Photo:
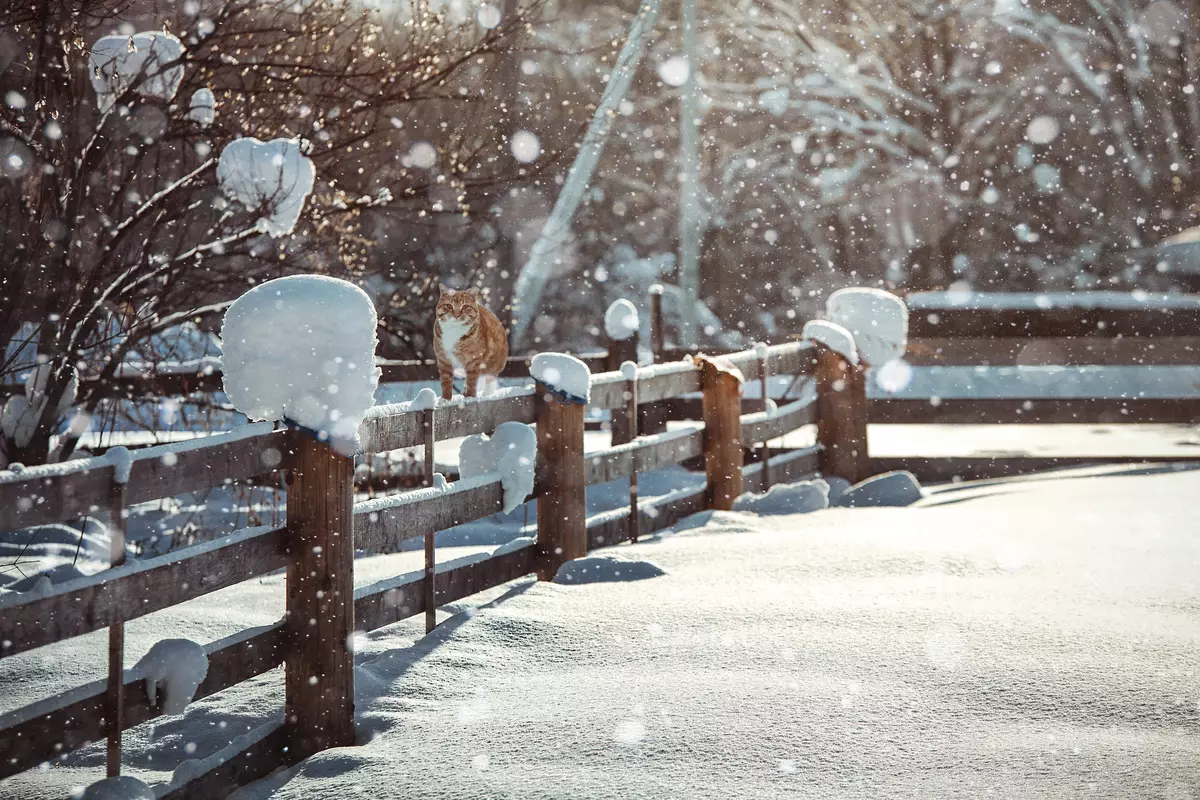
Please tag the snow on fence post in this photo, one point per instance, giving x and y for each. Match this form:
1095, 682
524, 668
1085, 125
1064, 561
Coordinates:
621, 326
841, 415
114, 699
722, 387
319, 672
563, 387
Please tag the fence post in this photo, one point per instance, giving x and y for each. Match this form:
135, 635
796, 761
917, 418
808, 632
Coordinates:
841, 416
562, 504
620, 351
722, 433
114, 699
319, 675
428, 432
764, 366
652, 418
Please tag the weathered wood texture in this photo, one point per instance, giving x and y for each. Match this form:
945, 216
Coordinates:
384, 529
786, 467
612, 528
391, 601
722, 433
1059, 350
654, 384
1034, 323
60, 725
658, 334
841, 417
257, 760
319, 679
114, 701
994, 410
37, 501
763, 426
426, 370
642, 456
382, 433
931, 470
138, 588
562, 507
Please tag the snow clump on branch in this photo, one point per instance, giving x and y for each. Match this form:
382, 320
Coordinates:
271, 178
148, 63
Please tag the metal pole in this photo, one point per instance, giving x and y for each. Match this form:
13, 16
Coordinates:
689, 169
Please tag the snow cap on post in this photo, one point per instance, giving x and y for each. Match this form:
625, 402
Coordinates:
877, 320
833, 336
621, 320
272, 178
302, 349
511, 452
566, 377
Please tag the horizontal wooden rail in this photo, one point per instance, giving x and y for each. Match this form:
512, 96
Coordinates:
397, 426
657, 382
402, 597
52, 728
991, 410
54, 492
612, 527
789, 467
1166, 351
966, 321
793, 358
412, 371
138, 588
248, 757
386, 521
766, 425
643, 455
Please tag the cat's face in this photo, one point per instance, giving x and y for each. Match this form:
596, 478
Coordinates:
460, 306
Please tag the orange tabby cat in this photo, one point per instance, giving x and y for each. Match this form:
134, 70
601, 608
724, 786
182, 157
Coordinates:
468, 339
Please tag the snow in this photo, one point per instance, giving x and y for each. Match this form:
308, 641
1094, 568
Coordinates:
272, 179
607, 567
513, 545
567, 377
122, 461
877, 320
621, 320
302, 348
177, 666
887, 489
833, 336
786, 498
425, 400
629, 370
121, 787
511, 451
20, 415
146, 62
202, 109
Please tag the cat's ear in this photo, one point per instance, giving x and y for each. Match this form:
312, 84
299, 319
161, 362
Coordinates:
474, 292
444, 289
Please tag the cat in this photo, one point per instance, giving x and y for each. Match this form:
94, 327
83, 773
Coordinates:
469, 341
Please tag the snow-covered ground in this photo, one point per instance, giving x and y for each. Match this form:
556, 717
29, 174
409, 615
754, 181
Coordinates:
1021, 638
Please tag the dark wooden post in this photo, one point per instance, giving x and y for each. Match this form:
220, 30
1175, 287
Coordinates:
620, 351
562, 505
114, 699
653, 416
722, 433
319, 676
631, 421
765, 453
430, 555
841, 416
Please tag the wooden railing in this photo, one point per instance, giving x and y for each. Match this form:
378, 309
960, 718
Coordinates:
318, 555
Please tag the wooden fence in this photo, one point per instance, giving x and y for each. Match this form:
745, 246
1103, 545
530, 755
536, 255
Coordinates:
325, 527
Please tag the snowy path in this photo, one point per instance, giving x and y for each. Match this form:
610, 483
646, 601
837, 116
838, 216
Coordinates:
1028, 639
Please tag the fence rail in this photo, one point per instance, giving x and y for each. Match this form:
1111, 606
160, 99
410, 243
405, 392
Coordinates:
730, 436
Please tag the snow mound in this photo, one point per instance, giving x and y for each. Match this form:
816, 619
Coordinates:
833, 336
621, 320
272, 178
565, 376
122, 787
510, 451
512, 545
889, 489
877, 320
786, 498
202, 109
147, 63
178, 665
607, 568
425, 400
302, 348
629, 370
122, 461
19, 418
